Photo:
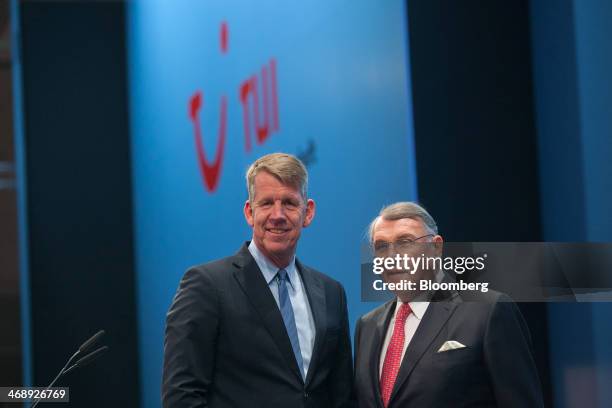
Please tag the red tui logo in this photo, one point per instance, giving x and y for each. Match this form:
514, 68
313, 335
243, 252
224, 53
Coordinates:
263, 126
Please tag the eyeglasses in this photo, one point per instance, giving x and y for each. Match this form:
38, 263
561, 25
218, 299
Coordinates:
401, 245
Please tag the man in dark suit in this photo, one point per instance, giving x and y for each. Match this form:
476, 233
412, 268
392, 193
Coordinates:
259, 328
439, 349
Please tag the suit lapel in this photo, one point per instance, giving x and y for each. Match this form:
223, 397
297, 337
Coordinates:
255, 287
435, 318
377, 344
316, 298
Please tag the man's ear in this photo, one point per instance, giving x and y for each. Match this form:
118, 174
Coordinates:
438, 244
248, 213
310, 212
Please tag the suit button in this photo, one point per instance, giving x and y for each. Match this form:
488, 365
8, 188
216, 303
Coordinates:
305, 395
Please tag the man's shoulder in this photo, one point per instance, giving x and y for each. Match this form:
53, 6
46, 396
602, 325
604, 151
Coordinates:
327, 280
485, 305
375, 314
215, 269
489, 297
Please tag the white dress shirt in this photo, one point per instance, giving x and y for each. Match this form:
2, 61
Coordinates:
304, 321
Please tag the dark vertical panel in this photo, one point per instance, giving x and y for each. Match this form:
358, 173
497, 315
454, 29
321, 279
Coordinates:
79, 195
475, 135
473, 118
10, 337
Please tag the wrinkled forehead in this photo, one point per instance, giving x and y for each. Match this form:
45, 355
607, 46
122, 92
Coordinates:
267, 184
391, 230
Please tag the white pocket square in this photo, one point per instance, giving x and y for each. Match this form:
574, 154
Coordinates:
450, 345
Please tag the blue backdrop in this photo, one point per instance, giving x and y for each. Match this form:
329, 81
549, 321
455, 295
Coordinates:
215, 85
573, 93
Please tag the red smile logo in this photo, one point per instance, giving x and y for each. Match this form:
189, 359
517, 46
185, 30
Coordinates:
210, 171
247, 92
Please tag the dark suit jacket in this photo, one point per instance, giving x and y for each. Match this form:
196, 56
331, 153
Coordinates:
226, 344
495, 369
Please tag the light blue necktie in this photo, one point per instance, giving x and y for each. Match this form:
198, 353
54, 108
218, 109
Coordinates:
289, 318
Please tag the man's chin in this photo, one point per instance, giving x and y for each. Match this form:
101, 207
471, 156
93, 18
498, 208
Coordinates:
279, 249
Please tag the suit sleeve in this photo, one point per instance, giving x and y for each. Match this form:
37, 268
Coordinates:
356, 343
509, 358
341, 379
190, 342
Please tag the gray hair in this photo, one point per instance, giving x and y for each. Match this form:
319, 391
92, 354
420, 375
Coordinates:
401, 210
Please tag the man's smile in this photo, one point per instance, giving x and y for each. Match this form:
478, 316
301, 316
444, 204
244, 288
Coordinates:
278, 231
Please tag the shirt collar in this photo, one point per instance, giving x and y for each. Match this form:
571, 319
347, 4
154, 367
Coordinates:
419, 307
267, 267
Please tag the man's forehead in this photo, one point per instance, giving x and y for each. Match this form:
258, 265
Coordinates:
266, 183
389, 229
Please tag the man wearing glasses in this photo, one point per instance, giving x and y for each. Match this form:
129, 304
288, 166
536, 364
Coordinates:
426, 349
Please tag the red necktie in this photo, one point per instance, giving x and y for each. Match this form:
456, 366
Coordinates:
393, 358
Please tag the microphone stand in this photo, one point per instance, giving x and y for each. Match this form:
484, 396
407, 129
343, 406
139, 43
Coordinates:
81, 362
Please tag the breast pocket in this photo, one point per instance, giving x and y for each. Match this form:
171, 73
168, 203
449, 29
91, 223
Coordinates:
455, 356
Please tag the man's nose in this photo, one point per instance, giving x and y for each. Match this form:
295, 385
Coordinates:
278, 211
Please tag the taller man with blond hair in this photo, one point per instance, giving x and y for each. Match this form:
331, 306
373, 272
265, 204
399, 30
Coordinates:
259, 328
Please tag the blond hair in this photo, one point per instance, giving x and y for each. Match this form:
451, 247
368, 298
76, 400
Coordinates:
285, 167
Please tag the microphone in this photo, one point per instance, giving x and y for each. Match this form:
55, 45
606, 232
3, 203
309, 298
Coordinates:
81, 362
92, 340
